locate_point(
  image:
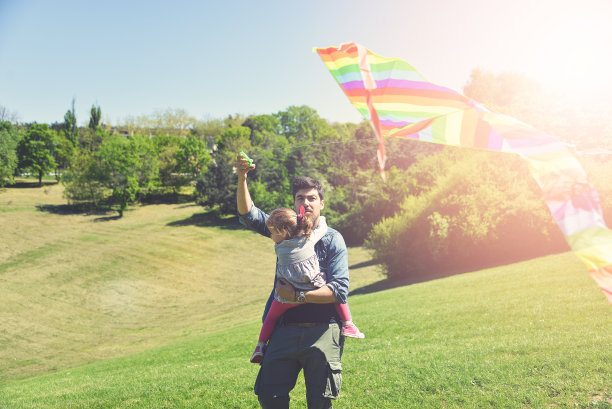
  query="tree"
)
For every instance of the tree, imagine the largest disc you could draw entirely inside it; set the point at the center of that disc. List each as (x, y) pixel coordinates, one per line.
(217, 186)
(172, 122)
(169, 174)
(70, 126)
(91, 139)
(83, 180)
(35, 150)
(127, 167)
(6, 115)
(235, 139)
(175, 122)
(63, 153)
(95, 117)
(193, 156)
(9, 139)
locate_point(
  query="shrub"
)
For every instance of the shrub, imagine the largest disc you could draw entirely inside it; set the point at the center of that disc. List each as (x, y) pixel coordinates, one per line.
(473, 209)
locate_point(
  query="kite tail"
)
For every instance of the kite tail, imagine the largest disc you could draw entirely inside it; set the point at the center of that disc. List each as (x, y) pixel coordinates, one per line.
(369, 85)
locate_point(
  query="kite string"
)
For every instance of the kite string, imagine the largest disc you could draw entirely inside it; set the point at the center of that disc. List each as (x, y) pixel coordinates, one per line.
(330, 143)
(569, 146)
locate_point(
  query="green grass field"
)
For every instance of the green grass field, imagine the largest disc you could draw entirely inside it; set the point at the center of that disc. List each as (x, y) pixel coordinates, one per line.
(160, 309)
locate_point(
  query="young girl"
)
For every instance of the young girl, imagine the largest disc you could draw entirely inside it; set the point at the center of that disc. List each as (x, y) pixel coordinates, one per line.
(297, 264)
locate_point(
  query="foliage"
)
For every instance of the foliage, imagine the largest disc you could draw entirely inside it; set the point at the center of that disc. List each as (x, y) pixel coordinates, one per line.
(359, 198)
(123, 167)
(175, 122)
(171, 122)
(283, 146)
(7, 116)
(95, 115)
(474, 209)
(127, 166)
(182, 159)
(169, 175)
(233, 140)
(355, 207)
(9, 139)
(64, 152)
(91, 139)
(35, 150)
(217, 186)
(71, 129)
(192, 158)
(83, 179)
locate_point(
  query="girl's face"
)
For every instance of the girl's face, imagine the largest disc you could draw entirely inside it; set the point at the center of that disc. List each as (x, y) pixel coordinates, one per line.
(277, 235)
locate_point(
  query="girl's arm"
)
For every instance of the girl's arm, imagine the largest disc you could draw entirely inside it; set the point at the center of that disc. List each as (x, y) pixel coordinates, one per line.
(321, 295)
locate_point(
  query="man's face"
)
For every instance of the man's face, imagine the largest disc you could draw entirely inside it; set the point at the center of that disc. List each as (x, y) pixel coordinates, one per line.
(309, 198)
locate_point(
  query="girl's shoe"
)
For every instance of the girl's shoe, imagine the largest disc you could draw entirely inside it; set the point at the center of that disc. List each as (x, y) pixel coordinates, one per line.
(350, 330)
(258, 354)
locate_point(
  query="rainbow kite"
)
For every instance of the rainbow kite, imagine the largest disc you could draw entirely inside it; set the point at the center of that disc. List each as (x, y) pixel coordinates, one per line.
(399, 102)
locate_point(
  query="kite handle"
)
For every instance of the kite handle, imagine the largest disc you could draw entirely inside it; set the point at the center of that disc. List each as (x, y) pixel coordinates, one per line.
(245, 156)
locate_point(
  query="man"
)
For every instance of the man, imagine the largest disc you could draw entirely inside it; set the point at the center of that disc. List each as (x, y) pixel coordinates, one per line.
(307, 336)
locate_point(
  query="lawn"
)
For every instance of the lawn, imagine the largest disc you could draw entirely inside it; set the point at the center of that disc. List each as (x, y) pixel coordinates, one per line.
(133, 313)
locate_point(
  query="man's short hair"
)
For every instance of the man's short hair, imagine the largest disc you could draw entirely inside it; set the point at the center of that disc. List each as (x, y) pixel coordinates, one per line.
(304, 182)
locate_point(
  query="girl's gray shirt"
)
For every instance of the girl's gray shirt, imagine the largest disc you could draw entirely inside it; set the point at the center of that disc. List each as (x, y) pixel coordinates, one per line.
(300, 248)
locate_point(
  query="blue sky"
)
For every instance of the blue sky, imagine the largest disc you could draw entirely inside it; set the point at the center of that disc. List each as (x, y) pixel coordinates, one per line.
(226, 57)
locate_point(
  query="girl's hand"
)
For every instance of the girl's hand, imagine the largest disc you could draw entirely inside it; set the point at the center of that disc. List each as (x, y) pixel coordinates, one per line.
(285, 290)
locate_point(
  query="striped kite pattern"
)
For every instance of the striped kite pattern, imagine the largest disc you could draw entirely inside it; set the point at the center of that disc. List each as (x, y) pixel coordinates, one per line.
(399, 102)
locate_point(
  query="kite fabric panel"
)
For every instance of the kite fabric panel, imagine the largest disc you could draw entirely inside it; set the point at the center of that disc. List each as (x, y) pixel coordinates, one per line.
(400, 103)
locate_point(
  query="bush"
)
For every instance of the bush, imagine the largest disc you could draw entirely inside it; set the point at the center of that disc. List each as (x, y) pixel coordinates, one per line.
(355, 207)
(474, 209)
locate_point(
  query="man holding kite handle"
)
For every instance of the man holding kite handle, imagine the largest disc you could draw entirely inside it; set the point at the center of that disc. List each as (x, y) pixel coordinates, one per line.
(308, 336)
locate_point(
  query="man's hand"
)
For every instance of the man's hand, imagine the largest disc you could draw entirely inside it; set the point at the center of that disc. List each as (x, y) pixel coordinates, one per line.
(285, 290)
(243, 197)
(243, 167)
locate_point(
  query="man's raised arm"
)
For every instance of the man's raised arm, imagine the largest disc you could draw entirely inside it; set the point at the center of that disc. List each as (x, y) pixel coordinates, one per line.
(243, 197)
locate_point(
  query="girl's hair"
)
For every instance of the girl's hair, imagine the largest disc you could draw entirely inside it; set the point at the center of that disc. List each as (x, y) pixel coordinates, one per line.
(284, 219)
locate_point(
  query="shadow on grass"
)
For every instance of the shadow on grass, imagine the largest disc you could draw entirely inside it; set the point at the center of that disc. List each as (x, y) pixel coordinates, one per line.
(423, 276)
(82, 209)
(27, 184)
(65, 209)
(387, 283)
(363, 264)
(209, 219)
(165, 198)
(107, 218)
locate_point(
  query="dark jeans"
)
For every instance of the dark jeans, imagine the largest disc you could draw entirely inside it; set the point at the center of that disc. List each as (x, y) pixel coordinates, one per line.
(317, 350)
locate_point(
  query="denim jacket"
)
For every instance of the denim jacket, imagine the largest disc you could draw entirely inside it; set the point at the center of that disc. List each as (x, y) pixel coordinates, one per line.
(331, 250)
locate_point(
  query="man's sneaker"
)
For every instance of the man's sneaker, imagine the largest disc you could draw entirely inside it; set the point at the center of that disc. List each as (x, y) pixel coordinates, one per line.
(258, 354)
(351, 330)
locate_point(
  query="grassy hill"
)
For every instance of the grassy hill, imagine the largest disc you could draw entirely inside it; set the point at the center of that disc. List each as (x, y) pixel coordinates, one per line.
(79, 288)
(161, 309)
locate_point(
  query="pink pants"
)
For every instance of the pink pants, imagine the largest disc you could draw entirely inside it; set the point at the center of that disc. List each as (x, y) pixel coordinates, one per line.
(278, 308)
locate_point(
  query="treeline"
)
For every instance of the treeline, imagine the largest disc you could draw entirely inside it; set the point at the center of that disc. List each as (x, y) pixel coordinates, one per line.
(441, 209)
